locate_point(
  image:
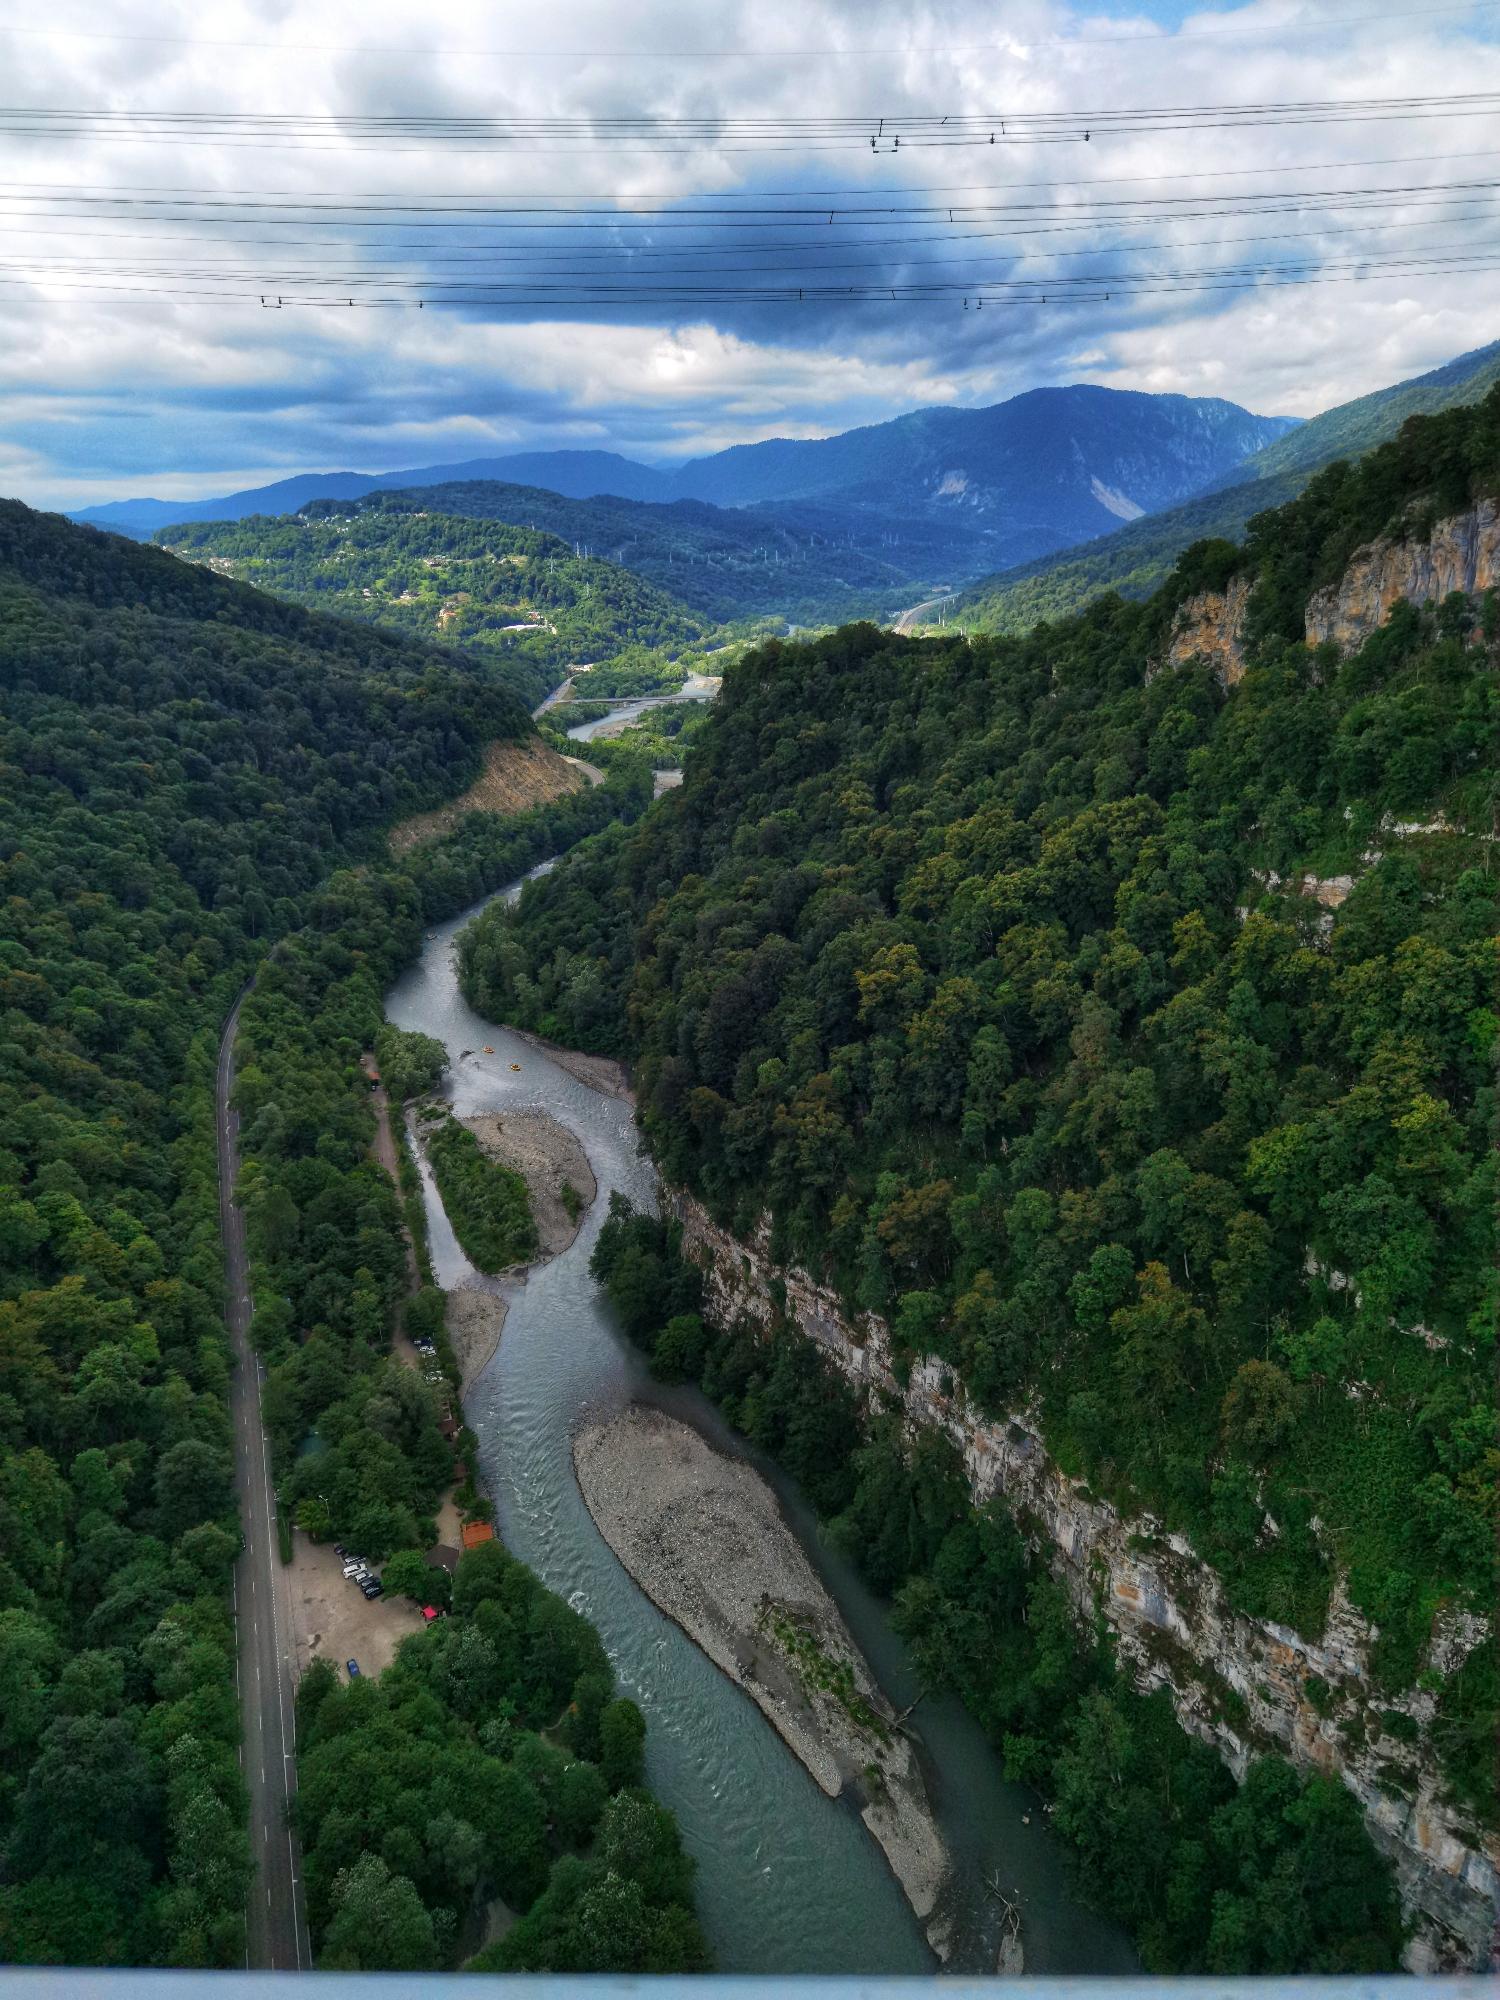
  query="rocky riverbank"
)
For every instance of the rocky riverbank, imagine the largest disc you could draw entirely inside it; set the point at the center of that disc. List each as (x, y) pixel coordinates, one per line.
(560, 1189)
(475, 1320)
(601, 1073)
(703, 1537)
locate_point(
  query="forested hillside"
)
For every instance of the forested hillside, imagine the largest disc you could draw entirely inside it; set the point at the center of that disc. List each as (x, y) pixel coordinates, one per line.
(182, 762)
(726, 563)
(517, 596)
(1136, 559)
(990, 968)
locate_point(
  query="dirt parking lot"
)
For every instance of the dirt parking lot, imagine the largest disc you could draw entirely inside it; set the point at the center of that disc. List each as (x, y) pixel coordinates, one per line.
(334, 1618)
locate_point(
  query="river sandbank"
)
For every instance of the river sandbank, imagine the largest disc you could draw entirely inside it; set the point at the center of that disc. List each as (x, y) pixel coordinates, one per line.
(475, 1321)
(601, 1073)
(703, 1537)
(549, 1158)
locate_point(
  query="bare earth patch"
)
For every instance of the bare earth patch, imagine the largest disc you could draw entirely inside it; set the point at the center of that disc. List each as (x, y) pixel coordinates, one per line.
(703, 1537)
(334, 1619)
(515, 777)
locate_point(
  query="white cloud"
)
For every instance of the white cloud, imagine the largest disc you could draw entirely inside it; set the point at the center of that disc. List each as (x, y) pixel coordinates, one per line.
(100, 397)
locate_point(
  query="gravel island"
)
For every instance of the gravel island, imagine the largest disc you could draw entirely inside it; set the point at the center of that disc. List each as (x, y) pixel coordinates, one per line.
(703, 1537)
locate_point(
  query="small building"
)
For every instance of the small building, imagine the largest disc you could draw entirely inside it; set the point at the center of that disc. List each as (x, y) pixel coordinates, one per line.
(442, 1557)
(475, 1532)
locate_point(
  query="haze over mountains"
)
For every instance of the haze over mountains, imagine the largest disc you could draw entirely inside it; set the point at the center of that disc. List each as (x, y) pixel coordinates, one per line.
(1137, 557)
(961, 489)
(1026, 508)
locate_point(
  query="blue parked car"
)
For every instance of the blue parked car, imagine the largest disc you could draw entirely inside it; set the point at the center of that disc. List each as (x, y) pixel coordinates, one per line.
(353, 1666)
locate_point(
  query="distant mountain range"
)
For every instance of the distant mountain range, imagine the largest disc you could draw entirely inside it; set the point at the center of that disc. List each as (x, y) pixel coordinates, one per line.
(946, 493)
(1136, 558)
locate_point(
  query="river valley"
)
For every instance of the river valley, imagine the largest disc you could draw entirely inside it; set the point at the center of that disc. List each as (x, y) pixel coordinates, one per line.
(789, 1879)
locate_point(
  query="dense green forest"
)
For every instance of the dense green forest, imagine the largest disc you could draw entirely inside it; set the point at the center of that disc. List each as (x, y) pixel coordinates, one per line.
(727, 563)
(1274, 1876)
(181, 757)
(184, 761)
(513, 594)
(490, 1758)
(983, 965)
(483, 1199)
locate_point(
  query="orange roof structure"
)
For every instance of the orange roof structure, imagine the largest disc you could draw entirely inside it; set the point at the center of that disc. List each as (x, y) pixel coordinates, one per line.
(475, 1532)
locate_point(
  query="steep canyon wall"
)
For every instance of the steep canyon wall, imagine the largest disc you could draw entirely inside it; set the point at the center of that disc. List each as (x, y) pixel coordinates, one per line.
(1238, 1683)
(1461, 553)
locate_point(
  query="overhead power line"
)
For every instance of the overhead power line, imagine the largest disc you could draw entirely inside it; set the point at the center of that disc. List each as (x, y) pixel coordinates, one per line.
(889, 132)
(908, 188)
(1089, 287)
(360, 211)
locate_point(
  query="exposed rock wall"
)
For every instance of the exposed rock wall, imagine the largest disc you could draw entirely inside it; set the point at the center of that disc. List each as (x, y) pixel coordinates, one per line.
(1238, 1683)
(1462, 553)
(1211, 627)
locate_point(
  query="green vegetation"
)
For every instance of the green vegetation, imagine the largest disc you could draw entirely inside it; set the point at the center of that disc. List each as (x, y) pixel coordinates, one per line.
(984, 967)
(727, 563)
(486, 1761)
(184, 761)
(635, 670)
(485, 1201)
(410, 1065)
(1137, 559)
(818, 1669)
(520, 599)
(661, 735)
(1274, 1876)
(658, 741)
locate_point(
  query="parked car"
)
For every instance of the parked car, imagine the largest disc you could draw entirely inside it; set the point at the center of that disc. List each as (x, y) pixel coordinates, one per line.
(373, 1588)
(339, 1549)
(356, 1569)
(353, 1666)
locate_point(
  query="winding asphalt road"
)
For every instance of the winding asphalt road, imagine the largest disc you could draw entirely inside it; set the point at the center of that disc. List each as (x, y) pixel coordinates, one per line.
(265, 1673)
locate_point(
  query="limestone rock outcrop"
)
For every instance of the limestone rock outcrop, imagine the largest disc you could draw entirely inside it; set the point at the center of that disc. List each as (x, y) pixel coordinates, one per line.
(1211, 627)
(1461, 553)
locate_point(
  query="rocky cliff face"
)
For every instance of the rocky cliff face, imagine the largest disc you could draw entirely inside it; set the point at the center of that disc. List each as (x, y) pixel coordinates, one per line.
(1462, 553)
(1240, 1684)
(1210, 626)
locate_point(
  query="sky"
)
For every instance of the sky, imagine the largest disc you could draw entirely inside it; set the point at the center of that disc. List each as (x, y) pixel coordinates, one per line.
(136, 356)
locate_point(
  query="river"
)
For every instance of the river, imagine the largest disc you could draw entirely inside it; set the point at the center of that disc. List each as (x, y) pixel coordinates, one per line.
(788, 1879)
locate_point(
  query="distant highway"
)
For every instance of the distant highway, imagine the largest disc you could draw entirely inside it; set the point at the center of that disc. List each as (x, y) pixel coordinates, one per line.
(910, 620)
(265, 1672)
